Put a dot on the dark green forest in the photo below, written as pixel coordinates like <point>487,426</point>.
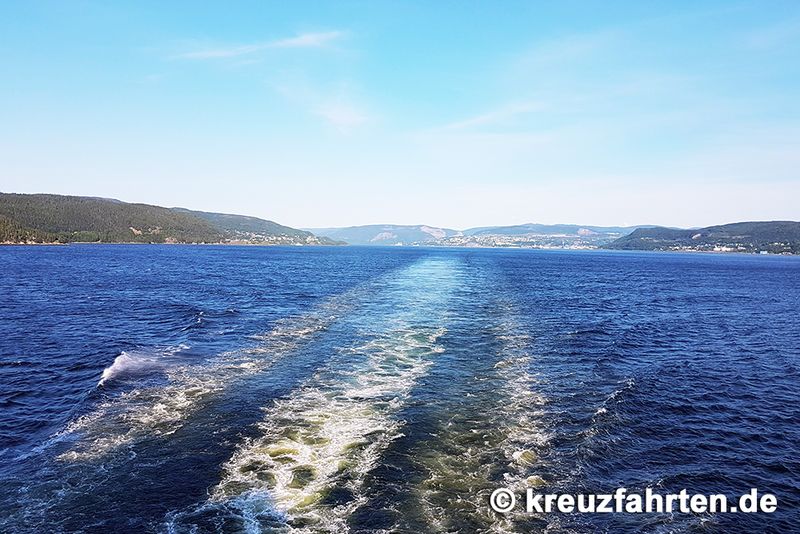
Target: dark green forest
<point>46,218</point>
<point>69,219</point>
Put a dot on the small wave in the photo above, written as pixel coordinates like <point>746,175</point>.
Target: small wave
<point>606,412</point>
<point>17,363</point>
<point>198,320</point>
<point>134,363</point>
<point>597,330</point>
<point>627,385</point>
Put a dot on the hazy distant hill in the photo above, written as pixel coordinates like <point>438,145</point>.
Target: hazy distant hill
<point>385,234</point>
<point>551,235</point>
<point>56,218</point>
<point>770,236</point>
<point>548,229</point>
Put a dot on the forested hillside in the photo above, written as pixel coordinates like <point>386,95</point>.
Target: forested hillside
<point>67,218</point>
<point>248,228</point>
<point>768,236</point>
<point>64,219</point>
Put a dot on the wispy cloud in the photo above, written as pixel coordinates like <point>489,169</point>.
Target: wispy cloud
<point>303,40</point>
<point>344,116</point>
<point>502,114</point>
<point>217,53</point>
<point>308,40</point>
<point>567,48</point>
<point>535,80</point>
<point>336,104</point>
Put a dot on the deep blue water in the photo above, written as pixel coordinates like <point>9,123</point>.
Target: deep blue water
<point>248,389</point>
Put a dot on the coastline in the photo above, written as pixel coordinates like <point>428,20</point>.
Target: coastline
<point>428,246</point>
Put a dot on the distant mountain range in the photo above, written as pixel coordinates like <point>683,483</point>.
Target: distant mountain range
<point>776,237</point>
<point>65,219</point>
<point>550,229</point>
<point>518,235</point>
<point>46,218</point>
<point>385,234</point>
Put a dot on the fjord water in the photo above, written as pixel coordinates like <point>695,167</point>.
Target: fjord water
<point>251,389</point>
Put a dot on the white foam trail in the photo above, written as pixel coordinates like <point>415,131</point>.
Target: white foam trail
<point>330,432</point>
<point>461,463</point>
<point>163,409</point>
<point>307,468</point>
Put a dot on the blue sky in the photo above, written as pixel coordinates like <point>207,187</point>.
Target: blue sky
<point>453,114</point>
